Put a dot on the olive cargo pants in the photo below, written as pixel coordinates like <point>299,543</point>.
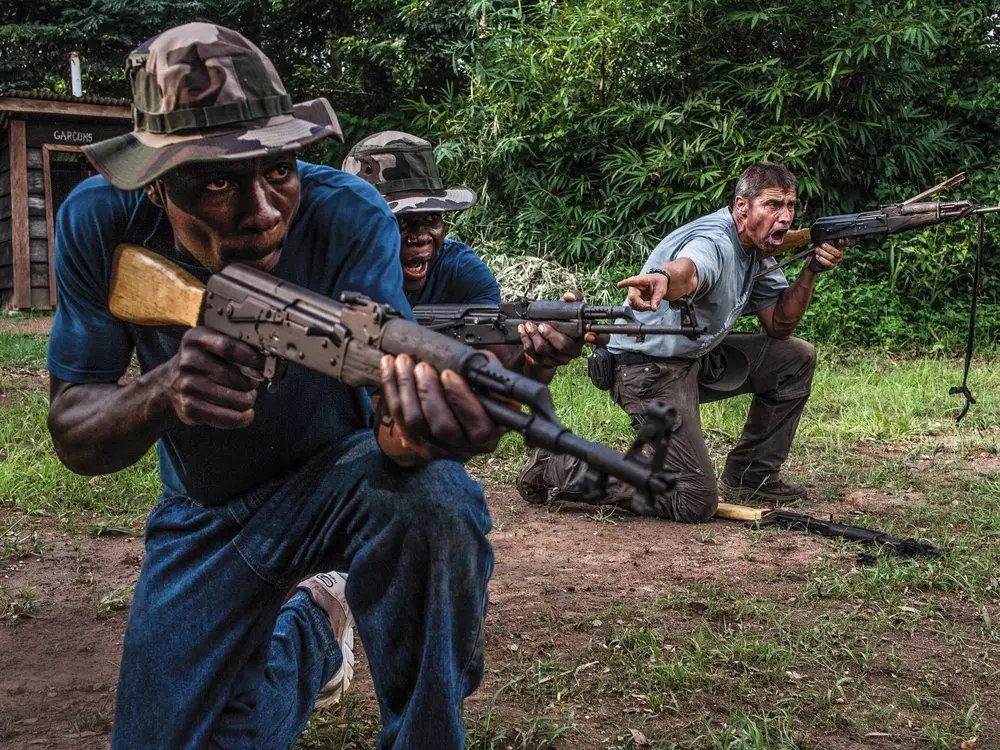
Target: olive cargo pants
<point>778,374</point>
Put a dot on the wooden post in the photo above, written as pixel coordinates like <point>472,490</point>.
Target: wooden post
<point>50,213</point>
<point>50,223</point>
<point>20,243</point>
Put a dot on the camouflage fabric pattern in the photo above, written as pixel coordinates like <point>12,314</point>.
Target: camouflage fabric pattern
<point>205,93</point>
<point>402,167</point>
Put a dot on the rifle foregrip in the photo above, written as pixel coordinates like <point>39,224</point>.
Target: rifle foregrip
<point>400,336</point>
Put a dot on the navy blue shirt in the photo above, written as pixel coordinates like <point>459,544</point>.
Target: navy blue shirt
<point>343,237</point>
<point>457,276</point>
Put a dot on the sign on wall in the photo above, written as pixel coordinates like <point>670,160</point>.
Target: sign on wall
<point>72,132</point>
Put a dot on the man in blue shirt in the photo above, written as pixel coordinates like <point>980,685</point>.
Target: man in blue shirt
<point>436,270</point>
<point>261,490</point>
<point>724,261</point>
<point>439,270</point>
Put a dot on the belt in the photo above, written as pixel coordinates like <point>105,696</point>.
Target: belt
<point>636,358</point>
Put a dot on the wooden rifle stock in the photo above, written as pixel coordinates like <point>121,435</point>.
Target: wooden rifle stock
<point>147,289</point>
<point>732,512</point>
<point>795,238</point>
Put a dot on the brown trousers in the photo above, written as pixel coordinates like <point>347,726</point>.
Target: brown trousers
<point>779,377</point>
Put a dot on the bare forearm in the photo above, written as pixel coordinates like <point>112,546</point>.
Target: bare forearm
<point>101,429</point>
<point>792,305</point>
<point>683,279</point>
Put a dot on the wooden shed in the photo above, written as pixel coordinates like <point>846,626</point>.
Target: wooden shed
<point>40,162</point>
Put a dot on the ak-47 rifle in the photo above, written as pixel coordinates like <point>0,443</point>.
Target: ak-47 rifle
<point>483,325</point>
<point>762,518</point>
<point>913,213</point>
<point>346,341</point>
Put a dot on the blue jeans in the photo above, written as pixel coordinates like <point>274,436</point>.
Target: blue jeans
<point>212,658</point>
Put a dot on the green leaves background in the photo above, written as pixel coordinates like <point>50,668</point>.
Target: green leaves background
<point>591,128</point>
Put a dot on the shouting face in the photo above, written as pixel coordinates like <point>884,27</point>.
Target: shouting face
<point>231,212</point>
<point>763,221</point>
<point>422,235</point>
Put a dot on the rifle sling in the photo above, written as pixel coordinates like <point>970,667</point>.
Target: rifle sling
<point>970,342</point>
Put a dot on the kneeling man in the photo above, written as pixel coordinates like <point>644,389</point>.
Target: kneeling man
<point>722,260</point>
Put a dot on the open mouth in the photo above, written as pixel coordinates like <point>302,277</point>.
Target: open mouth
<point>777,237</point>
<point>415,268</point>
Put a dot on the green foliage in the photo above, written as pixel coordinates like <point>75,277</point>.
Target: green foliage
<point>591,128</point>
<point>37,37</point>
<point>595,127</point>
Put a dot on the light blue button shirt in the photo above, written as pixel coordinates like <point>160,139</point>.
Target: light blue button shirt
<point>726,289</point>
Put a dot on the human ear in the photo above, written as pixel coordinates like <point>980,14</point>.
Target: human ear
<point>154,191</point>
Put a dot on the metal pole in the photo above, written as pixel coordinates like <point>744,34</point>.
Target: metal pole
<point>75,77</point>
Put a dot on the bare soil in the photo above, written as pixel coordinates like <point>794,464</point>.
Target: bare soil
<point>60,664</point>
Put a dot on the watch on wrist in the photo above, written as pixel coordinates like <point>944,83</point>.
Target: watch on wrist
<point>662,273</point>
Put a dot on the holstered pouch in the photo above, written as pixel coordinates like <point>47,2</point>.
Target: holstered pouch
<point>601,368</point>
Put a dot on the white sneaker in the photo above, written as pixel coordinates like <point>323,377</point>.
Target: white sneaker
<point>327,590</point>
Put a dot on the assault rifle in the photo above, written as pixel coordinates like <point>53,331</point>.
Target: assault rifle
<point>346,341</point>
<point>913,213</point>
<point>760,519</point>
<point>482,325</point>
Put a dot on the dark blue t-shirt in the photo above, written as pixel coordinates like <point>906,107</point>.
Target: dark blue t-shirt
<point>457,276</point>
<point>343,237</point>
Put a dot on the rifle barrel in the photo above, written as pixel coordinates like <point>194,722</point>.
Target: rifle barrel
<point>638,329</point>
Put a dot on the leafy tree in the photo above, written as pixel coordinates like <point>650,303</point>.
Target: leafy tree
<point>594,126</point>
<point>37,37</point>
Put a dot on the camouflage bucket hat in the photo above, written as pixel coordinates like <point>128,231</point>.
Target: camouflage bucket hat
<point>205,93</point>
<point>402,167</point>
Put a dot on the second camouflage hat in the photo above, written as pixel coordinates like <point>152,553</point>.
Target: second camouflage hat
<point>202,92</point>
<point>402,167</point>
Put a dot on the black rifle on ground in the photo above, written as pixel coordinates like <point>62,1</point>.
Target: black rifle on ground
<point>760,519</point>
<point>346,340</point>
<point>483,325</point>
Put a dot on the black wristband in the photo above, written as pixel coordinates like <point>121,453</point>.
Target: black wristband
<point>662,273</point>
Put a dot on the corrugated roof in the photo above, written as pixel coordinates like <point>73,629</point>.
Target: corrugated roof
<point>51,96</point>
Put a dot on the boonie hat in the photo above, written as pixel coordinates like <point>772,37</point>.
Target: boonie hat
<point>202,92</point>
<point>402,167</point>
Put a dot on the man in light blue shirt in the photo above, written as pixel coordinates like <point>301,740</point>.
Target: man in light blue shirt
<point>722,261</point>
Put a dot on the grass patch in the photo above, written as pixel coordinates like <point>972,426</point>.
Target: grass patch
<point>821,651</point>
<point>33,480</point>
<point>115,600</point>
<point>23,349</point>
<point>18,603</point>
<point>856,400</point>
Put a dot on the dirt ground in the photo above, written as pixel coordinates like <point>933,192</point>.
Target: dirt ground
<point>553,571</point>
<point>57,688</point>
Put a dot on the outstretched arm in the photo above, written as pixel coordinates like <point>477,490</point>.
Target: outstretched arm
<point>647,290</point>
